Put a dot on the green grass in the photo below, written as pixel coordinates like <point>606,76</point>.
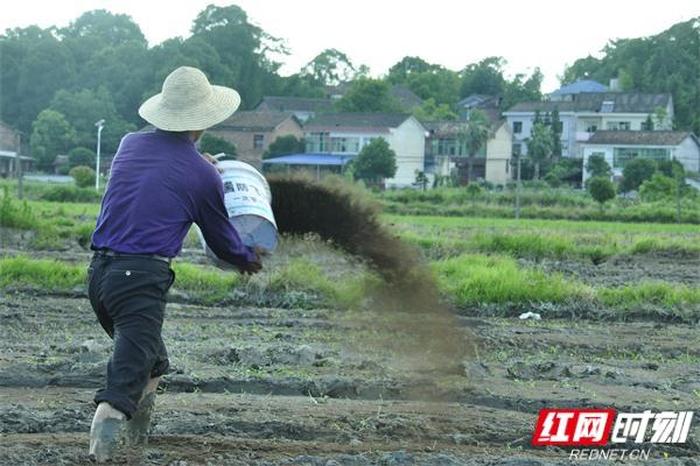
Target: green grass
<point>475,279</point>
<point>43,273</point>
<point>650,293</point>
<point>208,284</point>
<point>443,237</point>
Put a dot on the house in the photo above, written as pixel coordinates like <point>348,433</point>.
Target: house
<point>567,92</point>
<point>302,107</point>
<point>252,132</point>
<point>445,152</point>
<point>619,147</point>
<point>9,146</point>
<point>480,101</point>
<point>343,135</point>
<point>582,114</point>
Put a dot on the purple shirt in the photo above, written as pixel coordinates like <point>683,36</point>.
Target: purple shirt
<point>159,185</point>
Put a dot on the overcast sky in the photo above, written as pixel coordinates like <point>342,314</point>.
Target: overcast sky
<point>379,33</point>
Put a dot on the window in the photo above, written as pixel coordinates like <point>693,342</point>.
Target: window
<point>258,140</point>
<point>317,142</point>
<point>517,149</point>
<point>622,155</point>
<point>517,127</point>
<point>618,126</point>
<point>607,107</point>
<point>350,145</point>
<point>590,125</point>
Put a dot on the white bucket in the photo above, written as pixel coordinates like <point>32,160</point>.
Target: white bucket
<point>247,198</point>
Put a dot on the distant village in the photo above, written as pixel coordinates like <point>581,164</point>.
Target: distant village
<point>595,120</point>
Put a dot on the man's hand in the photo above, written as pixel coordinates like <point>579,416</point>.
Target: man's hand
<point>254,266</point>
<point>213,160</point>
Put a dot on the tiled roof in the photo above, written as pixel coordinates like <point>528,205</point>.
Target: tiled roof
<point>255,121</point>
<point>296,104</point>
<point>582,85</point>
<point>623,102</point>
<point>639,138</point>
<point>405,97</point>
<point>382,121</point>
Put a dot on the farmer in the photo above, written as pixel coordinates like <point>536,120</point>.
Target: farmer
<point>159,185</point>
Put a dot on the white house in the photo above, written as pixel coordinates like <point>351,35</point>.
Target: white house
<point>584,113</point>
<point>619,147</point>
<point>345,134</point>
<point>445,152</point>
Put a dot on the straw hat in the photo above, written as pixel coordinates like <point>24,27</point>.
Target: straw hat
<point>189,103</point>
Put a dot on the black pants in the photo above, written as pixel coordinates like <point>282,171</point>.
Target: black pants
<point>128,295</point>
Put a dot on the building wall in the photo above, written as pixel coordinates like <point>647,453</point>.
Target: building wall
<point>8,138</point>
<point>408,141</point>
<point>688,154</point>
<point>498,156</point>
<point>244,140</point>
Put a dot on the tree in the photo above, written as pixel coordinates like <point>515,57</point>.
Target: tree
<point>430,111</point>
<point>375,162</point>
<point>484,77</point>
<point>407,67</point>
<point>368,95</point>
<point>557,128</point>
<point>421,180</point>
<point>596,166</point>
<point>474,137</point>
<point>83,176</point>
<point>51,135</point>
<point>636,172</point>
<point>658,188</point>
<point>83,108</point>
<point>330,68</point>
<point>81,156</point>
<point>216,145</point>
<point>601,190</point>
<point>671,168</point>
<point>540,145</point>
<point>285,145</point>
<point>648,124</point>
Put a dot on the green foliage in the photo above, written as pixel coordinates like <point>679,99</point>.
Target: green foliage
<point>368,95</point>
<point>285,145</point>
<point>431,111</point>
<point>81,156</point>
<point>83,108</point>
<point>375,161</point>
<point>70,194</point>
<point>83,176</point>
<point>671,168</point>
<point>474,190</point>
<point>636,172</point>
<point>14,214</point>
<point>213,145</point>
<point>658,188</point>
<point>52,135</point>
<point>540,145</point>
<point>476,133</point>
<point>330,68</point>
<point>596,166</point>
<point>601,189</point>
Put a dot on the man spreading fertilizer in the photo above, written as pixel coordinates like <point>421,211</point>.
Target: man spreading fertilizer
<point>159,186</point>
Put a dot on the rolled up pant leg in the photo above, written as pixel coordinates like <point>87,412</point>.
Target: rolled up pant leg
<point>128,296</point>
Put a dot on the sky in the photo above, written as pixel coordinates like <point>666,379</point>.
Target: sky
<point>378,33</point>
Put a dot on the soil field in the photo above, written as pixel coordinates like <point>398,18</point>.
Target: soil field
<point>252,385</point>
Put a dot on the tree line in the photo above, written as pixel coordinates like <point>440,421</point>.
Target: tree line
<point>57,82</point>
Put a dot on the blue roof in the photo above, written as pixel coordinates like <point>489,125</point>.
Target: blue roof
<point>582,85</point>
<point>311,159</point>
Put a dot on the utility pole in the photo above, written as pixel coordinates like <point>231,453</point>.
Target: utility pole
<point>18,165</point>
<point>100,124</point>
<point>517,189</point>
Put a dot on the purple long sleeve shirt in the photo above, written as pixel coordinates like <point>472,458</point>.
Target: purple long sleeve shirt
<point>159,185</point>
